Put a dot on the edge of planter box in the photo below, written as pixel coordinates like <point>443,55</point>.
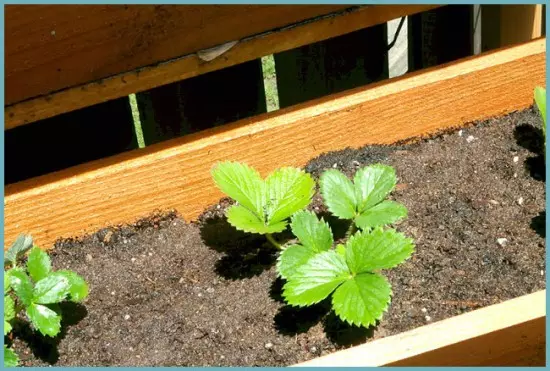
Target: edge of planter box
<point>176,174</point>
<point>511,333</point>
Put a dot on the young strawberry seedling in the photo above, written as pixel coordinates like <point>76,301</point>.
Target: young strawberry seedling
<point>314,269</point>
<point>37,290</point>
<point>362,201</point>
<point>263,206</point>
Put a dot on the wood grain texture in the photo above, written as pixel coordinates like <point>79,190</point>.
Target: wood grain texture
<point>512,333</point>
<point>51,47</point>
<point>121,83</point>
<point>176,173</point>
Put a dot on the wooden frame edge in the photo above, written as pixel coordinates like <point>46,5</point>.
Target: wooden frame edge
<point>188,66</point>
<point>176,174</point>
<point>468,339</point>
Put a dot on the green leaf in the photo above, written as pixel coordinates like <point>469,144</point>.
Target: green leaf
<point>38,264</point>
<point>10,358</point>
<point>339,194</point>
<point>341,250</point>
<point>52,289</point>
<point>386,212</point>
<point>540,100</point>
<point>7,285</point>
<point>312,232</point>
<point>19,247</point>
<point>316,279</point>
<point>245,220</point>
<point>373,184</point>
<point>9,313</point>
<point>291,258</point>
<point>9,308</point>
<point>45,320</point>
<point>7,327</point>
<point>362,300</point>
<point>379,249</point>
<point>243,184</point>
<point>78,288</point>
<point>22,285</point>
<point>288,190</point>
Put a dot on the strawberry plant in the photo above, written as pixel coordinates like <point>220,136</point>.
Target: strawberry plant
<point>362,201</point>
<point>540,100</point>
<point>263,206</point>
<point>315,269</point>
<point>36,290</point>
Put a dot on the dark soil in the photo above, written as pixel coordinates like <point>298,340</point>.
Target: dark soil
<point>167,293</point>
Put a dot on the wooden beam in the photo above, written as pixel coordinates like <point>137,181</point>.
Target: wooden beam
<point>51,47</point>
<point>90,91</point>
<point>176,173</point>
<point>505,25</point>
<point>511,333</point>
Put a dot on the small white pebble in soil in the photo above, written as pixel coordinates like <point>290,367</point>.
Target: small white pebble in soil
<point>460,133</point>
<point>126,317</point>
<point>89,257</point>
<point>133,260</point>
<point>150,254</point>
<point>516,158</point>
<point>52,33</point>
<point>131,349</point>
<point>219,207</point>
<point>515,175</point>
<point>222,357</point>
<point>470,138</point>
<point>313,349</point>
<point>356,163</point>
<point>502,241</point>
<point>199,295</point>
<point>428,318</point>
<point>112,292</point>
<point>335,165</point>
<point>424,310</point>
<point>210,290</point>
<point>268,345</point>
<point>542,273</point>
<point>181,280</point>
<point>520,201</point>
<point>494,202</point>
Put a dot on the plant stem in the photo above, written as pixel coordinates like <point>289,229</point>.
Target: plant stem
<point>273,242</point>
<point>351,230</point>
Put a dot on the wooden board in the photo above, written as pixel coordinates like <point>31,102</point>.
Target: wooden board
<point>176,173</point>
<point>512,333</point>
<point>504,25</point>
<point>51,47</point>
<point>120,83</point>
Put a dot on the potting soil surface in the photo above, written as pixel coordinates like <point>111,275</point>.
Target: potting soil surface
<point>167,293</point>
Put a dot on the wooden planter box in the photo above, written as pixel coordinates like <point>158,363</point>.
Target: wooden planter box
<point>175,175</point>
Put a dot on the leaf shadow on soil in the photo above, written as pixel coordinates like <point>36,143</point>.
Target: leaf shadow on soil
<point>245,254</point>
<point>532,139</point>
<point>291,320</point>
<point>538,223</point>
<point>45,347</point>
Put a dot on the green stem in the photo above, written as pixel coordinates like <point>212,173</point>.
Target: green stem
<point>273,242</point>
<point>351,230</point>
